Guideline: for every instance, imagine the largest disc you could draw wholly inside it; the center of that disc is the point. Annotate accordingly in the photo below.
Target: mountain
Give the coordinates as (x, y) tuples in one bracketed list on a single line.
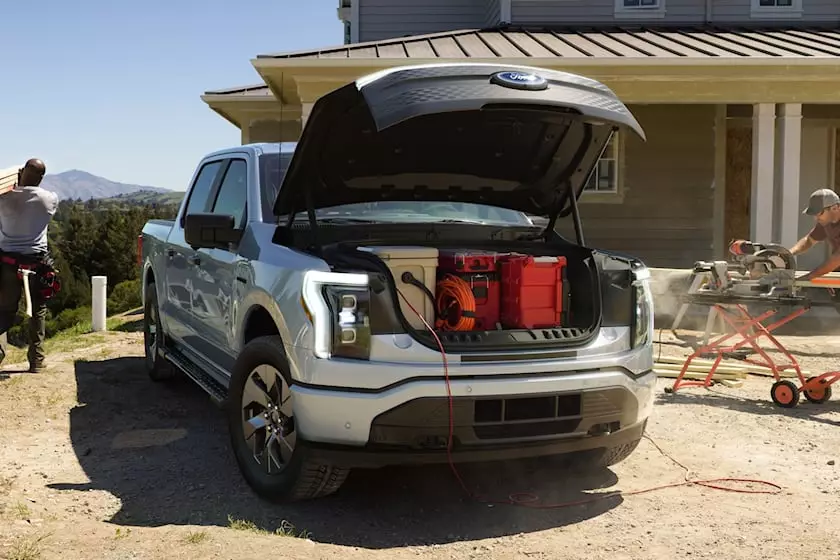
[(147, 197), (81, 184)]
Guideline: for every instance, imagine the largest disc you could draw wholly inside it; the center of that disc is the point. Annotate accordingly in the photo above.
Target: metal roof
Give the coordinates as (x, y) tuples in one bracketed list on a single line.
[(685, 42), (258, 90)]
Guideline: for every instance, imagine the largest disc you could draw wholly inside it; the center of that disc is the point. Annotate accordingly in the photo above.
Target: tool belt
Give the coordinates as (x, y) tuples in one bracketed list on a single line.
[(45, 278)]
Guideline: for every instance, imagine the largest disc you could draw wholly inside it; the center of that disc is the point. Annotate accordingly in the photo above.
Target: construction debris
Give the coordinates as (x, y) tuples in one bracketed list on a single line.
[(670, 367)]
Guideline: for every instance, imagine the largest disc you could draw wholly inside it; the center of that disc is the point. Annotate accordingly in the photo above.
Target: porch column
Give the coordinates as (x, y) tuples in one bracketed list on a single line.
[(790, 152), (761, 194), (245, 132)]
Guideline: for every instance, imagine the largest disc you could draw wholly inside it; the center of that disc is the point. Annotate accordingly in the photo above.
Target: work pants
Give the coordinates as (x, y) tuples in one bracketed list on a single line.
[(11, 289)]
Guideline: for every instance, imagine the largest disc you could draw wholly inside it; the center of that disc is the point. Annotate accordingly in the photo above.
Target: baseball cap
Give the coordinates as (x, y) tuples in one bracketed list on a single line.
[(820, 200)]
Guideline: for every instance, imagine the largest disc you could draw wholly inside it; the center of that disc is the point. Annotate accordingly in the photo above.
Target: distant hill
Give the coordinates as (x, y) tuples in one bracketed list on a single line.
[(81, 184), (147, 197)]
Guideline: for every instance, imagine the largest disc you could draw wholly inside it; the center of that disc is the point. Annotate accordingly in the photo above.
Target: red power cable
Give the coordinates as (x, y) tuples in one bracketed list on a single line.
[(526, 499)]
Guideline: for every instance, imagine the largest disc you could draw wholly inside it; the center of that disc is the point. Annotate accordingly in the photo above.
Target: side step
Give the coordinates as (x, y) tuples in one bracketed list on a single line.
[(216, 390)]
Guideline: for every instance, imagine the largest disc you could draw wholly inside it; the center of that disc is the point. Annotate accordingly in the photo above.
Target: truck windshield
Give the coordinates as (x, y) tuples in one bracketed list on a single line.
[(273, 167)]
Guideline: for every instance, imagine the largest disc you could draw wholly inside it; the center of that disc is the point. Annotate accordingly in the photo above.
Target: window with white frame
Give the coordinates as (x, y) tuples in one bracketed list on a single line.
[(639, 9), (604, 178), (776, 8)]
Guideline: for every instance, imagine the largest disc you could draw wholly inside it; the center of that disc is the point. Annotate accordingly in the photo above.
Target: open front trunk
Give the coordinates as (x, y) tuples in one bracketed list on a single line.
[(384, 180), (490, 296)]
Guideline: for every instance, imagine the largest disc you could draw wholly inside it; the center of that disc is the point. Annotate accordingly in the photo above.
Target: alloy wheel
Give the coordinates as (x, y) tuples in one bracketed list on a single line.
[(268, 419)]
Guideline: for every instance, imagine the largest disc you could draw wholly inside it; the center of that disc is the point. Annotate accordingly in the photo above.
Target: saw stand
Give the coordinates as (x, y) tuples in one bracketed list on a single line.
[(697, 280)]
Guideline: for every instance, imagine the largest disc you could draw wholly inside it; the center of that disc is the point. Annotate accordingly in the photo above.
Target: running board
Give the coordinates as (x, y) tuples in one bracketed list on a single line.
[(216, 390)]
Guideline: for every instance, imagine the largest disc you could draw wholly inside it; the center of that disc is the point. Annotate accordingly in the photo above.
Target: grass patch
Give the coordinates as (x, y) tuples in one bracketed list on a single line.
[(122, 533), (27, 549), (197, 537), (286, 529), (78, 336), (20, 511)]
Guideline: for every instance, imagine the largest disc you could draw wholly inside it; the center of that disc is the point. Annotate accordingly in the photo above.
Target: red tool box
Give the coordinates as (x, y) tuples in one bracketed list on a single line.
[(534, 292), (480, 270)]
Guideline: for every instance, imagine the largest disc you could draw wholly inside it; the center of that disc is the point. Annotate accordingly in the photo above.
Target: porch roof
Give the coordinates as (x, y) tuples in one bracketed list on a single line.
[(642, 64), (685, 42)]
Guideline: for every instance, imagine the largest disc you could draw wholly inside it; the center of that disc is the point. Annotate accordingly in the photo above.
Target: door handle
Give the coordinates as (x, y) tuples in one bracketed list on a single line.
[(170, 253), (195, 259)]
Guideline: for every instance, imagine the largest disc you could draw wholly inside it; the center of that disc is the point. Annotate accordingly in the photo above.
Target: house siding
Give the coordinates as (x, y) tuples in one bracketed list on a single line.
[(813, 11), (666, 215), (564, 12), (493, 16), (386, 19)]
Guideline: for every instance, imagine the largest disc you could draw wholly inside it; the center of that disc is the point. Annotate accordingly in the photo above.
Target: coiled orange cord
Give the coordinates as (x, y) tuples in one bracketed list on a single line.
[(454, 299)]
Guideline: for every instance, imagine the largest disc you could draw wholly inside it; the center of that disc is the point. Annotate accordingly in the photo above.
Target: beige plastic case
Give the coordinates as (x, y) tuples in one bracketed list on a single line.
[(422, 263)]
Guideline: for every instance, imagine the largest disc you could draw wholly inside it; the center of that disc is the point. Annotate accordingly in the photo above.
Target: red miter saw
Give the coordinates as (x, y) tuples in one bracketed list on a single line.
[(757, 270)]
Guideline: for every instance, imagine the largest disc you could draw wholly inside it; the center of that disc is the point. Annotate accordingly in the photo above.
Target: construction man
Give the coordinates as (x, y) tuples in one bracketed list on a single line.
[(25, 214), (824, 206)]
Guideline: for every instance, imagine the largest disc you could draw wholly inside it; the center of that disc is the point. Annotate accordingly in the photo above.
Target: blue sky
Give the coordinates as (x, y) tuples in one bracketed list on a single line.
[(112, 87)]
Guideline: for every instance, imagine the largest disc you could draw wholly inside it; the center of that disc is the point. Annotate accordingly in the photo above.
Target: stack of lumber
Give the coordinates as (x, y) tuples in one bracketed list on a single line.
[(8, 179), (727, 372)]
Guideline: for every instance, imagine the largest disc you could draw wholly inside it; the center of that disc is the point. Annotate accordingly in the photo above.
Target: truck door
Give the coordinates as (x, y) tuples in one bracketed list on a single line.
[(215, 273), (180, 263)]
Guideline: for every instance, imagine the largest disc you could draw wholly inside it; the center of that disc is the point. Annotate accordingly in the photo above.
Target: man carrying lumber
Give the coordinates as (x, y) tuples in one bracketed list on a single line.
[(25, 214), (824, 206)]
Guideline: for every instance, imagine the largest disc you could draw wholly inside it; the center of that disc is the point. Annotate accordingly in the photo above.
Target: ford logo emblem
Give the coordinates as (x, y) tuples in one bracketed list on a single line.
[(519, 80)]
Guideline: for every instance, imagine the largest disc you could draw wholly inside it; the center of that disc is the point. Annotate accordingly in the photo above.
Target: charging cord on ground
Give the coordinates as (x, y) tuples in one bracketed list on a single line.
[(530, 500)]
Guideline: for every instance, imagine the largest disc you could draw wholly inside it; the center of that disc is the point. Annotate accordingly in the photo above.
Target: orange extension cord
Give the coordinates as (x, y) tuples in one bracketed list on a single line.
[(454, 295), (529, 500)]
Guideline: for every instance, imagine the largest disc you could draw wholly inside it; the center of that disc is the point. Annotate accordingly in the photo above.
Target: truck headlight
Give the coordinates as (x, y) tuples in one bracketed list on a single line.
[(338, 305), (642, 327)]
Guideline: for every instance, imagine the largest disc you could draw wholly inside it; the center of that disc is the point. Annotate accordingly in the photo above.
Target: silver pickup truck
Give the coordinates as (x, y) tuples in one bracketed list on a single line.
[(376, 294)]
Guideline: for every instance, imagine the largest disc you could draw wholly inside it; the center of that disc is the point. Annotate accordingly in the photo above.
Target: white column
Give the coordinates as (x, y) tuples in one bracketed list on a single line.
[(790, 155), (245, 132), (761, 198), (98, 302)]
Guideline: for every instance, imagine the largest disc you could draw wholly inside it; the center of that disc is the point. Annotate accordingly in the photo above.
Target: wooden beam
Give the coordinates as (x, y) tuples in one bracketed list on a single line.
[(8, 178)]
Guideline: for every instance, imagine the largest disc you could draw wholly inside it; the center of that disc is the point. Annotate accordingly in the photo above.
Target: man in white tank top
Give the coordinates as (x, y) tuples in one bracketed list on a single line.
[(25, 214)]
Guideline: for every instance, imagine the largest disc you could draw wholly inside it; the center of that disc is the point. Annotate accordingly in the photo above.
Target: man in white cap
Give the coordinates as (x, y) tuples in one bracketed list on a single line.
[(824, 206)]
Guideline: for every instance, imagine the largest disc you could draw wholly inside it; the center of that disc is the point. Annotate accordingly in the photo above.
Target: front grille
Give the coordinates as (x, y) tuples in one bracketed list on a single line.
[(423, 423), (527, 408)]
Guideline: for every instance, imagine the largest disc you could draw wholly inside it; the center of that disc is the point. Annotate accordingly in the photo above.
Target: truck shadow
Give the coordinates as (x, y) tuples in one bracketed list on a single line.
[(163, 451)]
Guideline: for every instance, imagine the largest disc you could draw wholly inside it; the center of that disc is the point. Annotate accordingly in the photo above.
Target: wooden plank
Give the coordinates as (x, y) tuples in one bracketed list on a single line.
[(8, 179)]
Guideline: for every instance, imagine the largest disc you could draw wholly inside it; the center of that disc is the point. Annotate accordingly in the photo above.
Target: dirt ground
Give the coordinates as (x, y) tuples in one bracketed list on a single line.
[(96, 461)]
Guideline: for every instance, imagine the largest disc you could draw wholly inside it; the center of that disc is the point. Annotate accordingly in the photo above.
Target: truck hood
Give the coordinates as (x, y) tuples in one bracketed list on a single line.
[(515, 137)]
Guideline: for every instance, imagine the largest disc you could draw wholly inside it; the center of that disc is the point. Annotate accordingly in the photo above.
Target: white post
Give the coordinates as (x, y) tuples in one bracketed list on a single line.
[(99, 285), (790, 144), (763, 187)]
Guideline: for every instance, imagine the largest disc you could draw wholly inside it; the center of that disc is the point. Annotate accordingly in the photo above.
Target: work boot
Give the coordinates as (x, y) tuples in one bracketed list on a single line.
[(37, 367)]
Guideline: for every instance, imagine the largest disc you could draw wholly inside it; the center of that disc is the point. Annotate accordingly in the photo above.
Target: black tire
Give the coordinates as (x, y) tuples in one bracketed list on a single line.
[(820, 396), (157, 367), (300, 478), (785, 393)]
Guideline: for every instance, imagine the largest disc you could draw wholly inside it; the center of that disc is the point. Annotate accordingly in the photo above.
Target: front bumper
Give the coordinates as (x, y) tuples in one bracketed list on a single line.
[(493, 418)]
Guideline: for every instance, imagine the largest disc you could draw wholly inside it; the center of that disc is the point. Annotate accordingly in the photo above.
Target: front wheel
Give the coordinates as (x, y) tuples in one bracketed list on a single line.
[(261, 422), (157, 367)]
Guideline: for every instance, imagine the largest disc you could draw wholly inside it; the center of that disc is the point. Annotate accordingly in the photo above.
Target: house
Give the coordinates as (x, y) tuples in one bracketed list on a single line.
[(740, 100)]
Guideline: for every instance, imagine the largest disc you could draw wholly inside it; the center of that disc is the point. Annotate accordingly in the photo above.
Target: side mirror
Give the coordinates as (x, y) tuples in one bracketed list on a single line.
[(210, 231)]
